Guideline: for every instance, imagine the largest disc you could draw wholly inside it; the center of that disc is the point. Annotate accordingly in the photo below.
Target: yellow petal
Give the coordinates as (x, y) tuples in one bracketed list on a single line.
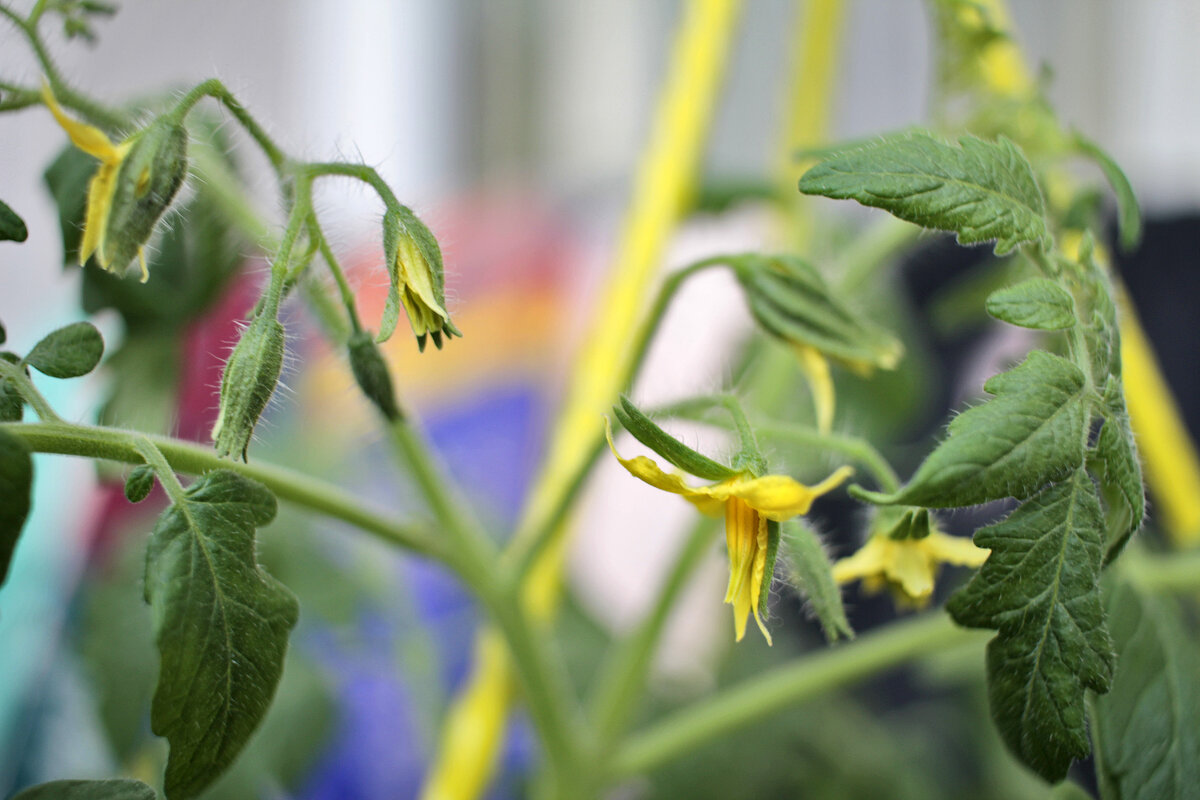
[(87, 138), (417, 277), (911, 568), (820, 383), (101, 189), (778, 497), (957, 550), (705, 498), (868, 561)]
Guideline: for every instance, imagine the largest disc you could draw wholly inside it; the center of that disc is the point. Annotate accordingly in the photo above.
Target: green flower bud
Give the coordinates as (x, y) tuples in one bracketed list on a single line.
[(250, 376), (371, 373)]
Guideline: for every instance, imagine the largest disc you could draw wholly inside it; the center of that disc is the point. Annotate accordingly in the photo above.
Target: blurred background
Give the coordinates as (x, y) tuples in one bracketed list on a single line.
[(513, 129)]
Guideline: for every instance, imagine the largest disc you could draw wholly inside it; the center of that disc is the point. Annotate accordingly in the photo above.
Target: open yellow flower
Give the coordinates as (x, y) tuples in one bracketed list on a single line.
[(103, 185), (907, 566), (749, 504)]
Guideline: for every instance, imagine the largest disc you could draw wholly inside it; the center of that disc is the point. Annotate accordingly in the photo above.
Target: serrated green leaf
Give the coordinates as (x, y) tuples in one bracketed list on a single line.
[(1040, 590), (220, 623), (792, 302), (1129, 214), (671, 449), (810, 572), (1030, 434), (12, 228), (1147, 728), (1037, 303), (115, 789), (16, 489), (68, 352), (982, 191), (1115, 462)]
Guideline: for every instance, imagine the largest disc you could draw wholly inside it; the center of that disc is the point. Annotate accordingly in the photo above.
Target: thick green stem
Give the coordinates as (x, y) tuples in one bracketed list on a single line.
[(162, 469), (29, 393), (786, 687), (120, 445)]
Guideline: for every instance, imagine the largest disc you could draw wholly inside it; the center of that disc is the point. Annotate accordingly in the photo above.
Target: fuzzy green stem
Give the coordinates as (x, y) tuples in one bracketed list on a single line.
[(29, 393), (215, 89), (119, 445), (335, 269), (162, 469), (360, 172), (785, 687), (859, 450)]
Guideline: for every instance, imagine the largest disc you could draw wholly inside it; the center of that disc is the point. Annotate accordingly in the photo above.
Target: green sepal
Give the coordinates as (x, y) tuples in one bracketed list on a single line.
[(147, 181), (1040, 590), (12, 227), (810, 572), (671, 449), (982, 191), (250, 377), (16, 487), (764, 596), (112, 789), (69, 352), (903, 522), (792, 302), (372, 375), (1147, 728), (1129, 214), (1029, 434), (139, 483), (221, 625), (1038, 303)]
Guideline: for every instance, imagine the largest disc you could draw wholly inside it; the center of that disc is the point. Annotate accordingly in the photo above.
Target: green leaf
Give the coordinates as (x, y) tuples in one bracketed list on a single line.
[(810, 572), (221, 625), (1129, 215), (68, 352), (67, 178), (1030, 434), (115, 789), (12, 407), (982, 191), (12, 228), (792, 302), (1038, 303), (139, 483), (3, 334), (16, 487), (1147, 728), (1039, 589), (1115, 462), (674, 451)]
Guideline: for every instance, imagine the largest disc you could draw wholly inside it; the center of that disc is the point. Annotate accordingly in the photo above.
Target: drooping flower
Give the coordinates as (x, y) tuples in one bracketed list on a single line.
[(907, 566), (752, 506), (134, 184), (414, 261)]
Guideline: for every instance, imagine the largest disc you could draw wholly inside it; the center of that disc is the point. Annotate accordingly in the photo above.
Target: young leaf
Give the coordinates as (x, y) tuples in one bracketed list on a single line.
[(221, 625), (12, 227), (1037, 303), (68, 352), (982, 191), (1129, 215), (139, 483), (1115, 462), (16, 487), (1039, 589), (674, 451), (1030, 434), (809, 571), (1147, 728), (114, 789), (11, 404)]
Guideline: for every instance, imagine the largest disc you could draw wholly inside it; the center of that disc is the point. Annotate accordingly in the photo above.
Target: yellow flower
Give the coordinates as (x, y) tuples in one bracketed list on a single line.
[(748, 503), (134, 185), (907, 566), (414, 261), (103, 185)]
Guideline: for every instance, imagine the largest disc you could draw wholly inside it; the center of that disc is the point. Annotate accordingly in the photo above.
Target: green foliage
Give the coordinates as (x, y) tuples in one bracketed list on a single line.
[(1037, 303), (674, 451), (115, 789), (1040, 590), (792, 302), (808, 570), (12, 405), (12, 228), (16, 487), (982, 191), (1147, 728), (221, 626), (1129, 215), (139, 483), (1114, 460), (68, 352), (1030, 434)]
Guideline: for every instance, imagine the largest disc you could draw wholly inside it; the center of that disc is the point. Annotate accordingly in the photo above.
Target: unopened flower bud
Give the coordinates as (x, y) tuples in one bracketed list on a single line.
[(250, 376), (415, 264), (371, 373)]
